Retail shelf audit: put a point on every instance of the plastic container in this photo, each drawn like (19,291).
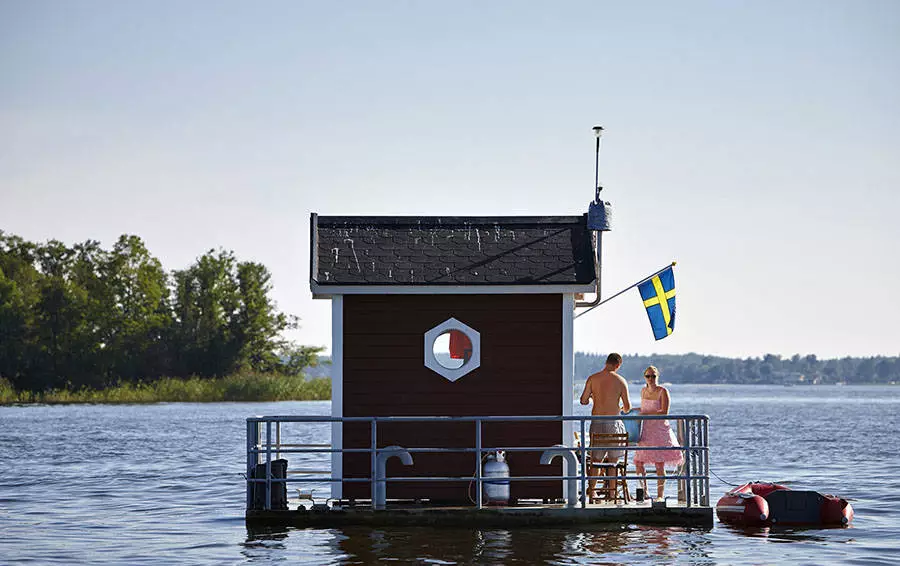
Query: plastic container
(633,427)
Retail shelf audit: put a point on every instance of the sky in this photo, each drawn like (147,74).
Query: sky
(755,143)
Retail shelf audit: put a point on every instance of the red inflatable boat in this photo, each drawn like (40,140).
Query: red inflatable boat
(759,503)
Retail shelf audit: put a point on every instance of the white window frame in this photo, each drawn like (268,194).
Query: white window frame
(434,365)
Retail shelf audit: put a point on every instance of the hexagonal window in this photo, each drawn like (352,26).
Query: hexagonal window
(452,349)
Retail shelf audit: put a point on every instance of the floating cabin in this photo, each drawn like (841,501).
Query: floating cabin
(451,316)
(452,338)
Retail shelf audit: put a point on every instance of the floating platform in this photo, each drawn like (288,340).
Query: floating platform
(669,513)
(269,478)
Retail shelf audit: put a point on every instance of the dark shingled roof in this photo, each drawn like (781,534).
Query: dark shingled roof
(440,250)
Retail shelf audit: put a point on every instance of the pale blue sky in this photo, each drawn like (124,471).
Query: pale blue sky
(757,143)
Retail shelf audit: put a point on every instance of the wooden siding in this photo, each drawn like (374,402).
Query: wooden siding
(384,375)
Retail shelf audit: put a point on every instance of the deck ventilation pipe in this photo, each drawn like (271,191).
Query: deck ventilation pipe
(384,455)
(572,464)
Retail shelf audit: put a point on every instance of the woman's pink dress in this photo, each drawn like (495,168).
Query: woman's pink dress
(657,433)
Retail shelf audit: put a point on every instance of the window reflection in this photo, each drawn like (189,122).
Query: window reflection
(452,349)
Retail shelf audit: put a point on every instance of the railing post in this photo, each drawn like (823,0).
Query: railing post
(706,462)
(583,475)
(374,454)
(268,505)
(278,440)
(479,498)
(681,428)
(252,458)
(698,463)
(698,459)
(687,462)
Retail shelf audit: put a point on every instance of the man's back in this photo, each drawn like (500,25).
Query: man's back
(606,387)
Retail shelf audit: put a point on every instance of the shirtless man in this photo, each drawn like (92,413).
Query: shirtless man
(606,388)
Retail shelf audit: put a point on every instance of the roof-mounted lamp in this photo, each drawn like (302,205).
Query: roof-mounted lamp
(599,212)
(598,219)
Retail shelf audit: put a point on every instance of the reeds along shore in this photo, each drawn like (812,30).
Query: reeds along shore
(239,387)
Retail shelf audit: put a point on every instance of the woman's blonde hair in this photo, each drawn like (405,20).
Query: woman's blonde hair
(656,371)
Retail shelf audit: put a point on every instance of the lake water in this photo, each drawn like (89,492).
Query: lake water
(161,484)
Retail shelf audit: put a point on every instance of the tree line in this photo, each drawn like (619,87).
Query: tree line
(84,316)
(768,369)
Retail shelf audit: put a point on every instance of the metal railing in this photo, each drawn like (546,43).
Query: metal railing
(261,446)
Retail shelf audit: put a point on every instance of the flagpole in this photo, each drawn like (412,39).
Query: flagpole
(648,278)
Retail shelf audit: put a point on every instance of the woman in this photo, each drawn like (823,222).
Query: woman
(655,401)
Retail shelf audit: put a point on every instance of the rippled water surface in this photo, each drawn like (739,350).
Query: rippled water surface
(161,484)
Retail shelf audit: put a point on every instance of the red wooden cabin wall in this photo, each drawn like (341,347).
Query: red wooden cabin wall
(384,375)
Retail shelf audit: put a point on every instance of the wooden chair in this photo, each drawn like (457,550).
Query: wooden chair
(620,486)
(615,485)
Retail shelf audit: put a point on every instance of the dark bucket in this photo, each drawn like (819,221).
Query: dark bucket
(279,489)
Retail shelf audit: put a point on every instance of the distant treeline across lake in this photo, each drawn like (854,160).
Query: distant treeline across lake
(768,369)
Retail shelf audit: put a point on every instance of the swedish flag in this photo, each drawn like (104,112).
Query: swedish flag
(658,294)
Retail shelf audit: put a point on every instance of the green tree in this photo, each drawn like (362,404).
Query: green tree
(225,320)
(87,271)
(19,282)
(138,320)
(257,325)
(63,332)
(294,358)
(205,300)
(82,315)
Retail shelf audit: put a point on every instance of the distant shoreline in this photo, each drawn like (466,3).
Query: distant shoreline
(770,369)
(244,389)
(250,387)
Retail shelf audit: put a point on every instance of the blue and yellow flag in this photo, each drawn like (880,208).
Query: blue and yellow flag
(658,294)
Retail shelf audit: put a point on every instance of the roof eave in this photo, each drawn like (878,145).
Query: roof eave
(328,291)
